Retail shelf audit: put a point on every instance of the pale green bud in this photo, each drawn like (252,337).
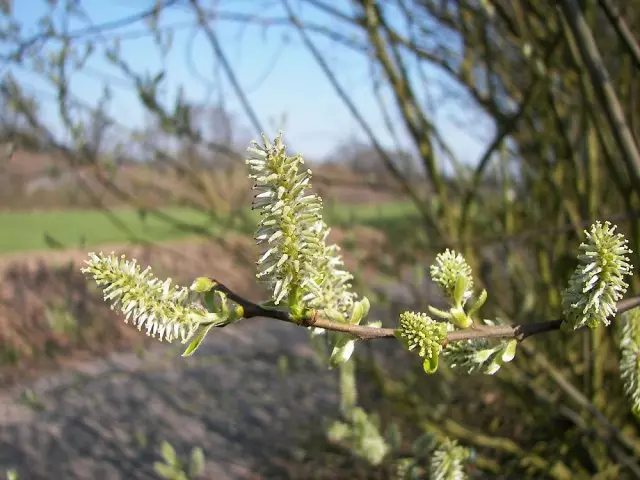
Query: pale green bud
(452,272)
(421,332)
(202,285)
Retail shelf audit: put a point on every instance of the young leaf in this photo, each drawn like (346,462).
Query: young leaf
(440,313)
(430,365)
(202,285)
(509,351)
(284,305)
(477,305)
(360,310)
(209,300)
(459,318)
(460,289)
(164,470)
(195,343)
(196,467)
(169,453)
(342,351)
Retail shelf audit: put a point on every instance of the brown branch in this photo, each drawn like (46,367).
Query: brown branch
(622,29)
(426,215)
(363,332)
(226,66)
(602,86)
(24,45)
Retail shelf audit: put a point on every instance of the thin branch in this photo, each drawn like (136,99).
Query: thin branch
(622,29)
(94,29)
(505,128)
(602,85)
(215,44)
(363,332)
(346,98)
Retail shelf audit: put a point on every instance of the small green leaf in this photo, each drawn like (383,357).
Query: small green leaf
(342,351)
(493,367)
(196,467)
(209,301)
(430,365)
(366,304)
(195,343)
(482,356)
(164,470)
(478,304)
(439,313)
(338,432)
(459,289)
(333,314)
(459,318)
(509,351)
(348,389)
(360,310)
(169,453)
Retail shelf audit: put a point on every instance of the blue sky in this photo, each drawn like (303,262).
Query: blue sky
(277,72)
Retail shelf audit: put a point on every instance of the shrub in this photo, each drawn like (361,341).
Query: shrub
(311,287)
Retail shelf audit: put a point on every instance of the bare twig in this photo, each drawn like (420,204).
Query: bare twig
(622,29)
(426,215)
(363,332)
(602,86)
(226,65)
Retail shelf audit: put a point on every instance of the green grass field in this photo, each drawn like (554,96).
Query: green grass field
(28,231)
(24,231)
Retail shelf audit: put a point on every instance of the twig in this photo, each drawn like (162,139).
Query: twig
(226,65)
(622,29)
(360,119)
(363,332)
(602,86)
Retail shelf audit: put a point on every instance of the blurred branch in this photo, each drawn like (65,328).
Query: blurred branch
(602,86)
(217,48)
(344,96)
(622,29)
(94,29)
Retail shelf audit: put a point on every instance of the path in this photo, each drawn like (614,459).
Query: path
(107,419)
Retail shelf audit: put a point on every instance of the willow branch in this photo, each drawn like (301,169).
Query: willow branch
(602,85)
(622,29)
(364,332)
(226,65)
(426,215)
